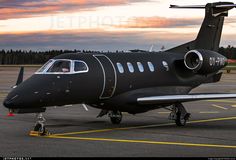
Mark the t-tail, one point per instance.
(209, 35)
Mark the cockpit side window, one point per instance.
(60, 66)
(46, 65)
(80, 66)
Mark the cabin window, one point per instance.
(140, 67)
(60, 66)
(150, 66)
(165, 64)
(130, 67)
(80, 66)
(45, 66)
(120, 67)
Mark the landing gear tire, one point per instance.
(37, 127)
(179, 114)
(115, 117)
(180, 121)
(40, 129)
(115, 120)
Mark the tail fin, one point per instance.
(210, 33)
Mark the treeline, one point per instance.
(31, 57)
(229, 52)
(37, 57)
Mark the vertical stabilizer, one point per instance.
(210, 32)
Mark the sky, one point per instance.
(102, 24)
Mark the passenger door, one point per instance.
(109, 74)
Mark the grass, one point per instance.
(232, 64)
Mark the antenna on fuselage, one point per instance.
(151, 48)
(20, 77)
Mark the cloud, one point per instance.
(160, 22)
(163, 22)
(99, 40)
(28, 8)
(92, 40)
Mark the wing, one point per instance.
(171, 99)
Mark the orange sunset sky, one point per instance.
(102, 24)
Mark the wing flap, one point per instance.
(170, 99)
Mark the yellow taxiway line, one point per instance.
(213, 120)
(145, 142)
(113, 129)
(140, 127)
(222, 101)
(65, 136)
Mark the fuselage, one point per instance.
(110, 81)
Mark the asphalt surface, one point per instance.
(76, 132)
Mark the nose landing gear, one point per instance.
(179, 114)
(39, 128)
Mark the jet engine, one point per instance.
(204, 61)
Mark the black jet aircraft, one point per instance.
(134, 82)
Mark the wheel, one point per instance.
(37, 127)
(40, 128)
(180, 121)
(115, 120)
(116, 117)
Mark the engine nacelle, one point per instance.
(204, 61)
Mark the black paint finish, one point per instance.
(103, 86)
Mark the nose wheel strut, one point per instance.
(39, 128)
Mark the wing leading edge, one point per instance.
(171, 99)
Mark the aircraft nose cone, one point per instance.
(7, 103)
(10, 102)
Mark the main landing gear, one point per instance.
(179, 114)
(39, 128)
(115, 116)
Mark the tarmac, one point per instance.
(75, 132)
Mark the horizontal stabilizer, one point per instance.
(188, 6)
(222, 5)
(171, 99)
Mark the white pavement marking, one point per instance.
(218, 106)
(209, 112)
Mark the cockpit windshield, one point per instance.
(63, 66)
(45, 66)
(60, 66)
